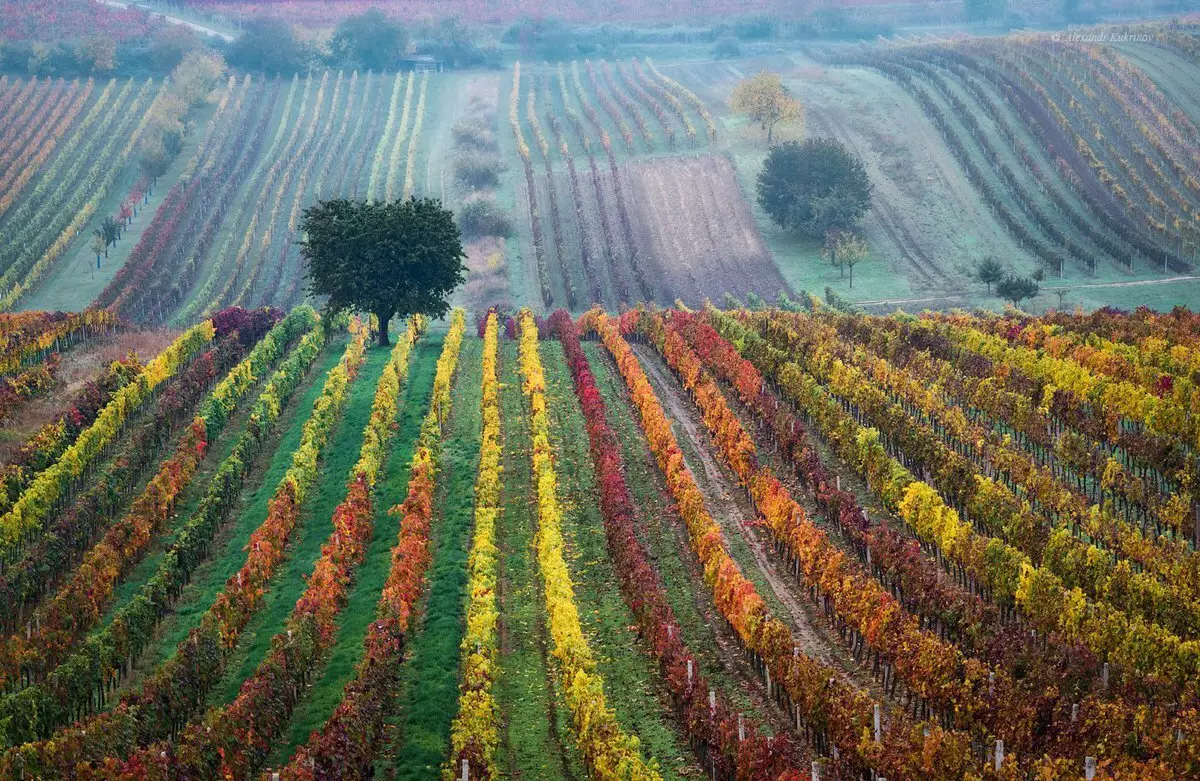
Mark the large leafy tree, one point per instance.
(371, 39)
(269, 45)
(395, 258)
(814, 187)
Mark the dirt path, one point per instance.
(719, 496)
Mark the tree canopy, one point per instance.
(1016, 289)
(269, 45)
(394, 258)
(765, 99)
(371, 39)
(814, 187)
(989, 272)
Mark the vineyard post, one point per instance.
(466, 770)
(999, 754)
(816, 770)
(878, 723)
(1089, 768)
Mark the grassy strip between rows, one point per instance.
(326, 691)
(315, 526)
(535, 733)
(429, 680)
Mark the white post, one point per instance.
(999, 754)
(838, 481)
(274, 777)
(1074, 712)
(466, 770)
(741, 729)
(689, 673)
(878, 723)
(712, 701)
(1104, 676)
(1089, 768)
(816, 771)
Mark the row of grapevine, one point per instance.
(170, 695)
(606, 749)
(348, 741)
(535, 222)
(21, 524)
(418, 123)
(688, 97)
(730, 745)
(82, 601)
(397, 143)
(234, 740)
(555, 221)
(918, 505)
(383, 152)
(475, 733)
(32, 337)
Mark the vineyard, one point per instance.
(738, 544)
(225, 234)
(608, 150)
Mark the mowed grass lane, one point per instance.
(428, 698)
(325, 692)
(316, 523)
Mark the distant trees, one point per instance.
(394, 258)
(989, 272)
(766, 101)
(370, 40)
(483, 217)
(170, 44)
(269, 45)
(814, 187)
(100, 51)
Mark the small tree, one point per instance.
(989, 272)
(850, 249)
(765, 99)
(814, 187)
(99, 246)
(1016, 289)
(396, 258)
(726, 48)
(196, 76)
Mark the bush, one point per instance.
(483, 217)
(474, 134)
(478, 170)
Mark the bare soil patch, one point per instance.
(695, 232)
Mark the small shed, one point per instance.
(419, 63)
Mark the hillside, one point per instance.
(757, 541)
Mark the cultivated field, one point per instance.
(933, 547)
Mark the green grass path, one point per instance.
(428, 689)
(632, 681)
(316, 522)
(325, 692)
(229, 552)
(535, 743)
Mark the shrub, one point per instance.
(474, 134)
(483, 217)
(478, 170)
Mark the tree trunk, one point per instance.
(770, 132)
(852, 277)
(383, 318)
